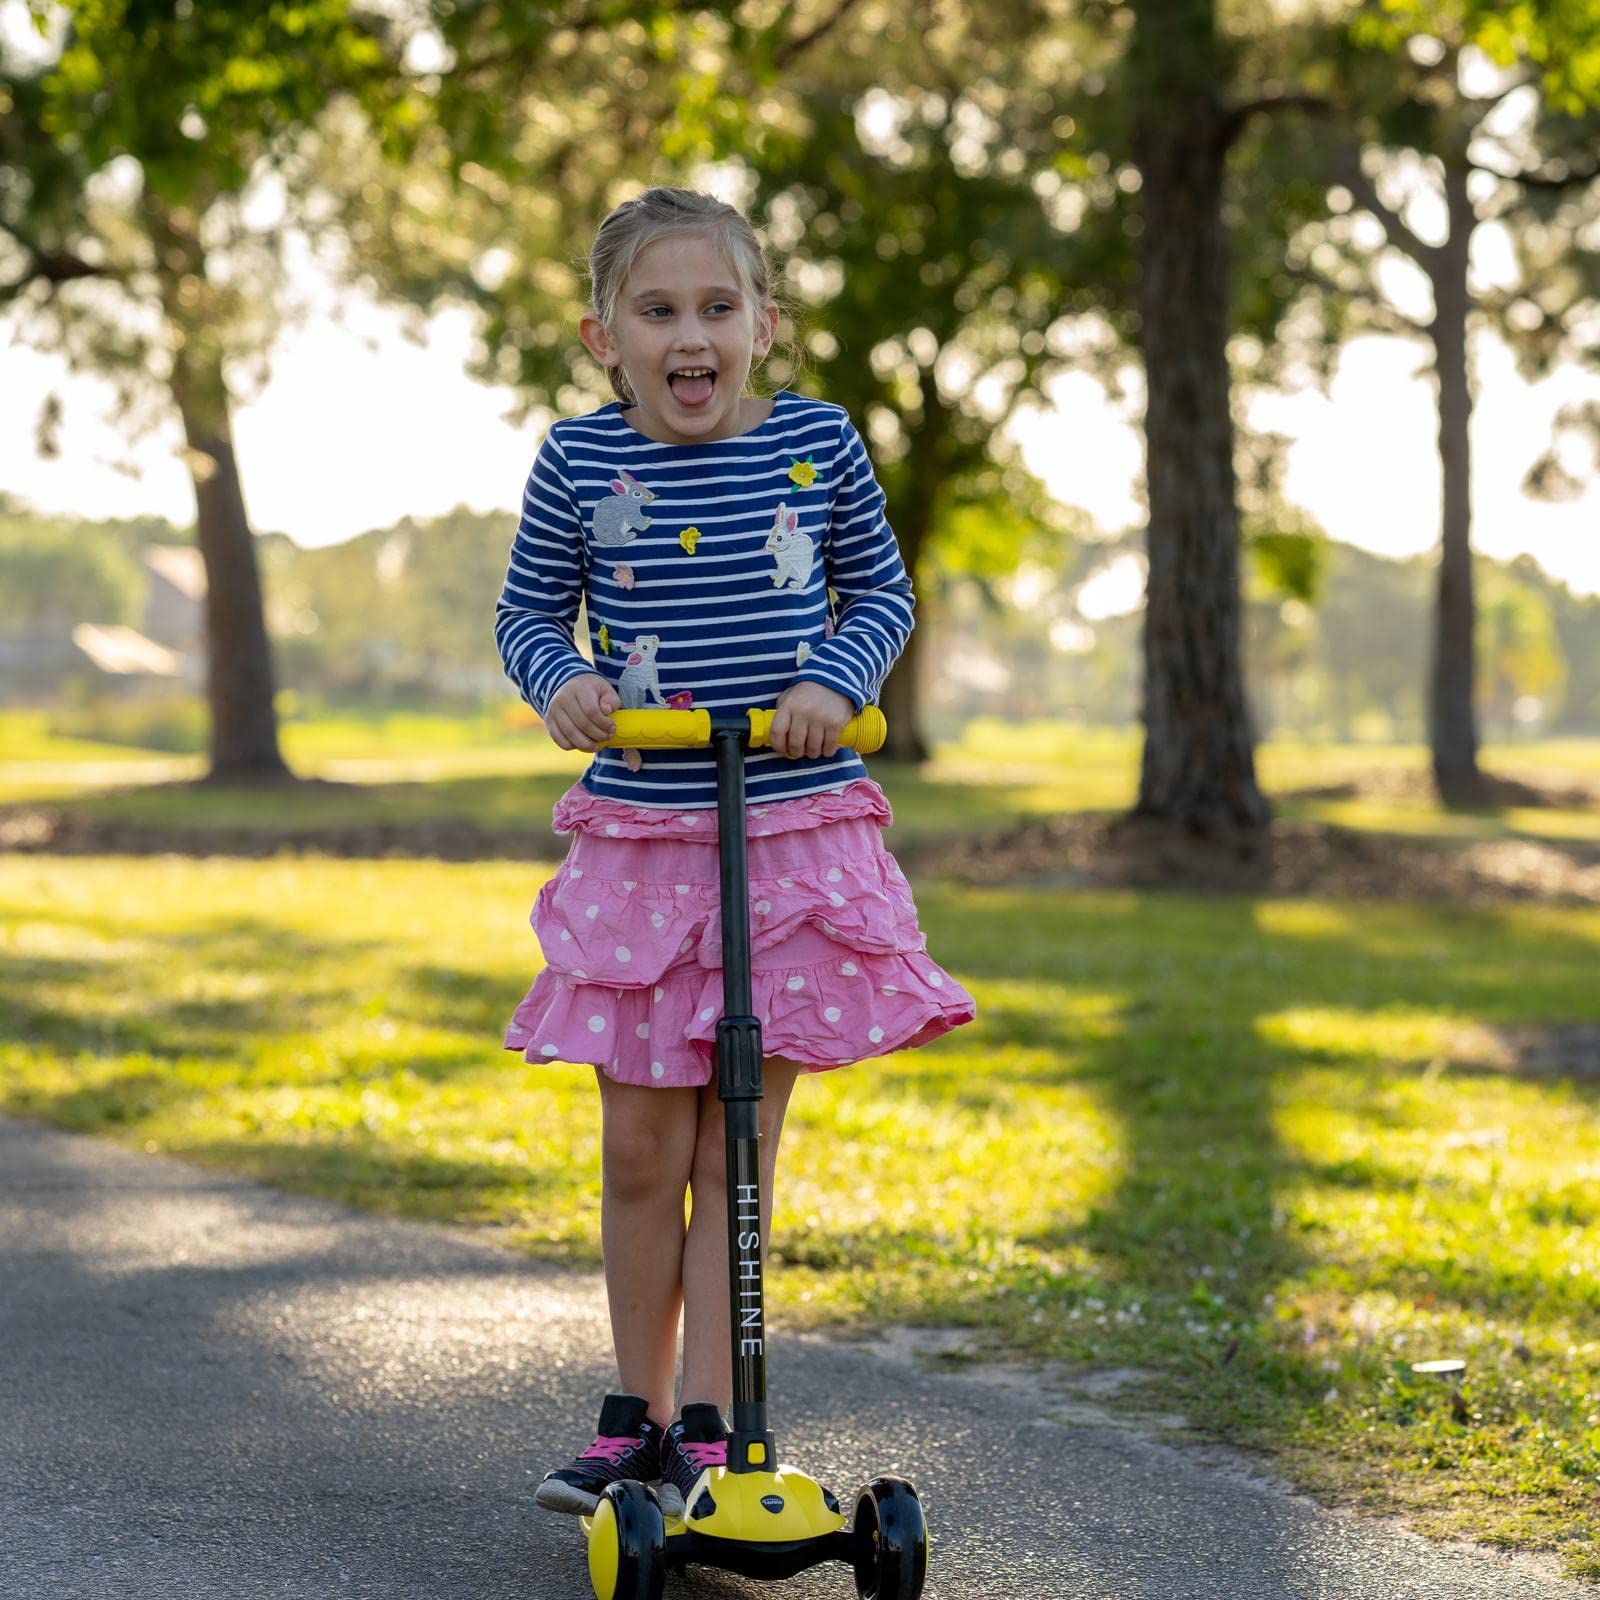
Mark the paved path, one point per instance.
(211, 1389)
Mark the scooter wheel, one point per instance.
(627, 1541)
(891, 1541)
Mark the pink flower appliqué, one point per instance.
(623, 577)
(683, 700)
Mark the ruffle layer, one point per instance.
(626, 932)
(846, 1007)
(580, 811)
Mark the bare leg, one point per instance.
(707, 1357)
(647, 1149)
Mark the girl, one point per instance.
(732, 552)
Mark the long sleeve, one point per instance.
(538, 608)
(863, 566)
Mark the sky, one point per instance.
(346, 437)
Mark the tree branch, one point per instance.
(1235, 117)
(49, 266)
(1350, 172)
(790, 48)
(1544, 178)
(1384, 317)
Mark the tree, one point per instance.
(1427, 147)
(135, 152)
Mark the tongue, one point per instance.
(693, 391)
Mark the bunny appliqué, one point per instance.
(793, 550)
(621, 519)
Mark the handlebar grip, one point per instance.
(691, 730)
(863, 734)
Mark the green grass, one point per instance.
(413, 768)
(1217, 1139)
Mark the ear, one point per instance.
(766, 330)
(794, 520)
(618, 486)
(597, 341)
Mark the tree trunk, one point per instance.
(1198, 765)
(1452, 721)
(902, 701)
(244, 726)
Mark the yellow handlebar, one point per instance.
(691, 730)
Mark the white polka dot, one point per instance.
(680, 888)
(758, 811)
(690, 822)
(834, 874)
(936, 980)
(828, 927)
(833, 1013)
(630, 884)
(577, 872)
(659, 991)
(889, 988)
(578, 972)
(796, 982)
(597, 1024)
(591, 912)
(657, 920)
(612, 830)
(874, 1034)
(835, 898)
(848, 969)
(549, 1050)
(656, 1069)
(643, 1030)
(566, 936)
(786, 883)
(684, 946)
(688, 1031)
(705, 1015)
(624, 953)
(762, 833)
(763, 907)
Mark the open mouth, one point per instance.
(692, 386)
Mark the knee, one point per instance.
(638, 1164)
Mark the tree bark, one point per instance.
(239, 676)
(1198, 765)
(1452, 718)
(902, 701)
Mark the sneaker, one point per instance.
(628, 1446)
(699, 1439)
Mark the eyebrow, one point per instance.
(720, 290)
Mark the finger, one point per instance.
(557, 727)
(778, 732)
(815, 734)
(830, 745)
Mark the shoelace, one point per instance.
(702, 1455)
(610, 1447)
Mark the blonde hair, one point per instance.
(663, 212)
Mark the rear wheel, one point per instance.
(891, 1541)
(627, 1541)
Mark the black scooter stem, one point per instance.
(750, 1445)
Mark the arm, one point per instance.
(861, 563)
(538, 606)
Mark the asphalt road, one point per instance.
(211, 1389)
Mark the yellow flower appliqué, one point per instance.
(688, 538)
(605, 639)
(803, 473)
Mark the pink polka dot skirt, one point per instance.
(631, 931)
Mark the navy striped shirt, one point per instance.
(722, 572)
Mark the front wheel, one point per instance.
(627, 1542)
(891, 1541)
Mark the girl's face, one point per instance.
(685, 332)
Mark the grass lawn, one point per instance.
(415, 769)
(1222, 1140)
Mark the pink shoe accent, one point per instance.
(610, 1448)
(700, 1456)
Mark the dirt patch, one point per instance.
(1497, 791)
(1289, 858)
(1569, 1050)
(53, 830)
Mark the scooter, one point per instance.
(756, 1516)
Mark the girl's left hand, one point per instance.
(809, 719)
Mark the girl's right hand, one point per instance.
(579, 714)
